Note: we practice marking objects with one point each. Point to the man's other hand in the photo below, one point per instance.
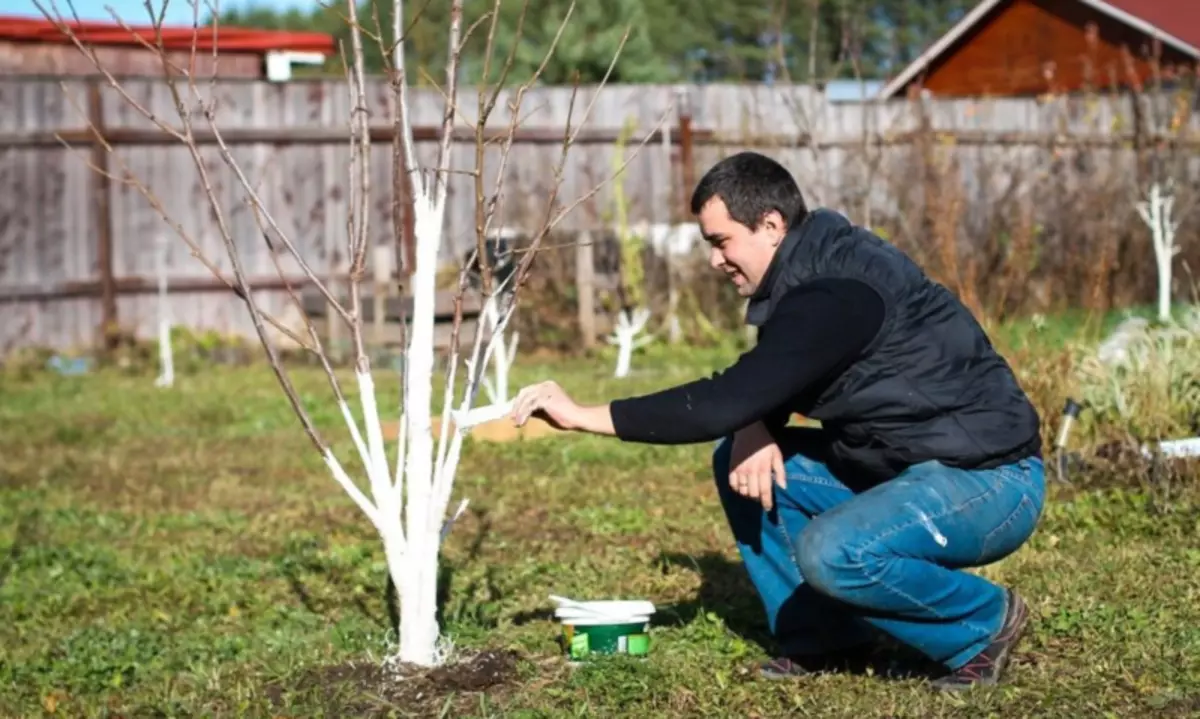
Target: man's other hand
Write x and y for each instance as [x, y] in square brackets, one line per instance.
[755, 458]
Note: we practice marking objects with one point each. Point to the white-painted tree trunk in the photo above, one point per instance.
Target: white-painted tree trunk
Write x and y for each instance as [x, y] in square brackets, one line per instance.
[625, 337]
[504, 353]
[407, 500]
[166, 354]
[1156, 212]
[418, 585]
[425, 469]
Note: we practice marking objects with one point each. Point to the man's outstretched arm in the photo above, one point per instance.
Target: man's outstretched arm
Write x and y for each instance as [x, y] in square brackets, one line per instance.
[814, 334]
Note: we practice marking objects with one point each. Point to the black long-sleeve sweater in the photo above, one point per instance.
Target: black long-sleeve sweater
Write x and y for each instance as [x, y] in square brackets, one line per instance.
[813, 336]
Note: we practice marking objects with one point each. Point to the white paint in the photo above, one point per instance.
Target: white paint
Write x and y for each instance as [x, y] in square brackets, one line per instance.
[418, 593]
[1156, 212]
[625, 337]
[671, 241]
[409, 505]
[930, 527]
[166, 353]
[503, 354]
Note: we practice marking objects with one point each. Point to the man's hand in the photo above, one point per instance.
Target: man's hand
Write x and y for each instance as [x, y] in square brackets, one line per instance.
[548, 400]
[755, 457]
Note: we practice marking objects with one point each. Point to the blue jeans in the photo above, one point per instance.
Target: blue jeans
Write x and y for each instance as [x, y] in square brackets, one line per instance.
[831, 564]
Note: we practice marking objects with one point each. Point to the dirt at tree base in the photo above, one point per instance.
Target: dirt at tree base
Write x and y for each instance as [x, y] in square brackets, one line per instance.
[365, 689]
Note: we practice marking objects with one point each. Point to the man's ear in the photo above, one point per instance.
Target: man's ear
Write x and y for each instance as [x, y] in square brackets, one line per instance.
[773, 223]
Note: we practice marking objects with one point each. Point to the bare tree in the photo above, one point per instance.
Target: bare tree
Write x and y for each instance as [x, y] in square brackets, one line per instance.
[406, 501]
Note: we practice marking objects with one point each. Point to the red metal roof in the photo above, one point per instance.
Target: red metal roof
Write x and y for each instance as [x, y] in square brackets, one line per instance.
[230, 39]
[1181, 18]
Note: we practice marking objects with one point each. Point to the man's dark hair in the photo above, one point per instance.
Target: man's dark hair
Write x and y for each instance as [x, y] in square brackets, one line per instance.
[751, 185]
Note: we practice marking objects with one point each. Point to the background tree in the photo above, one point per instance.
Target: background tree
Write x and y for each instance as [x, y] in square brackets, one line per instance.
[671, 40]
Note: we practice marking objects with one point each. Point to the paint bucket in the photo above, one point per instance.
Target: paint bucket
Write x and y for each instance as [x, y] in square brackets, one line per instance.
[605, 628]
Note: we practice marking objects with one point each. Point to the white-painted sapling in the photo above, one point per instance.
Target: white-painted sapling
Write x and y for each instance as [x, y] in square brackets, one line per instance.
[503, 355]
[407, 496]
[166, 353]
[626, 337]
[1156, 211]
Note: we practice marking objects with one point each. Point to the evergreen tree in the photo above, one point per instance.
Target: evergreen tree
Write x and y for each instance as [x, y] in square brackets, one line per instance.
[669, 41]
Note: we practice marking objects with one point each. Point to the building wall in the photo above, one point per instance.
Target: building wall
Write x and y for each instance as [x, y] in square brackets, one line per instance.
[1037, 46]
[29, 58]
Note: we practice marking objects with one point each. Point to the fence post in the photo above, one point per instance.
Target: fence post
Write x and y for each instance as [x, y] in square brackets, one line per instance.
[687, 161]
[102, 207]
[585, 286]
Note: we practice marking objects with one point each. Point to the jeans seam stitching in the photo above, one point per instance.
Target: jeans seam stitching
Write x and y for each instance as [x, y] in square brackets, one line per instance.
[888, 586]
[813, 479]
[858, 551]
[791, 544]
[896, 529]
[1012, 517]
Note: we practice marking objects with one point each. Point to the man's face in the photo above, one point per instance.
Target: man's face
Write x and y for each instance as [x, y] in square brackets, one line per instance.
[741, 253]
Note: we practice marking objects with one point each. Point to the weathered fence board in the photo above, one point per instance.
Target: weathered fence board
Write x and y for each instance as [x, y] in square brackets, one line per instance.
[74, 253]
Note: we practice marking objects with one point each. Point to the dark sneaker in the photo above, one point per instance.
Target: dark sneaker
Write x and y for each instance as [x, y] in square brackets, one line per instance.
[852, 659]
[987, 666]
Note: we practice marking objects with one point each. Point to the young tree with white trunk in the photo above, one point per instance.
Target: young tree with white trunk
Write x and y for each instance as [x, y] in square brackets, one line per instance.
[409, 491]
[627, 336]
[503, 356]
[1157, 212]
[633, 317]
[166, 354]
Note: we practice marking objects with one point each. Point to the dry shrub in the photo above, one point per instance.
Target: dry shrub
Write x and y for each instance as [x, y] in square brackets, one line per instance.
[709, 308]
[548, 317]
[1153, 395]
[1015, 228]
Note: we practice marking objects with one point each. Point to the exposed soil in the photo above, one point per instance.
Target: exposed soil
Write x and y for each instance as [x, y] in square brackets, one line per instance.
[482, 672]
[499, 430]
[367, 689]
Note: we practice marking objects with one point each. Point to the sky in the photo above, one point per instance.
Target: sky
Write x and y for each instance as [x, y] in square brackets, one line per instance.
[133, 11]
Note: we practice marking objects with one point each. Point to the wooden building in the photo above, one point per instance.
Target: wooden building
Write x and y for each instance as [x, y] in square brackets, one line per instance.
[1033, 47]
[36, 46]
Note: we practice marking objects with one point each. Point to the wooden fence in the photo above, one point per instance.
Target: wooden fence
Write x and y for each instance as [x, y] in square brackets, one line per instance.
[79, 250]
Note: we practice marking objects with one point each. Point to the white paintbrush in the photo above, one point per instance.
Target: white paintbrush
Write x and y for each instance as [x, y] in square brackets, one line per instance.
[479, 415]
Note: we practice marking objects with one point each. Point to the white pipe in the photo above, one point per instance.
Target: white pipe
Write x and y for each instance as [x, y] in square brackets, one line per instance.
[1175, 448]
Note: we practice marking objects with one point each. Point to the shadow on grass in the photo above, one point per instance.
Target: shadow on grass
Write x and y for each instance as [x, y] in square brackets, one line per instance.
[301, 569]
[26, 529]
[725, 591]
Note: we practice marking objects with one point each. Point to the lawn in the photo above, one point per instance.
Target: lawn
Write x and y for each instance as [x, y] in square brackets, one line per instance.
[184, 552]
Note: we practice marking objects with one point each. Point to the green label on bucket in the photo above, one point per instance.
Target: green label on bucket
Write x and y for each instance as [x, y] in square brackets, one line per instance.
[638, 644]
[579, 645]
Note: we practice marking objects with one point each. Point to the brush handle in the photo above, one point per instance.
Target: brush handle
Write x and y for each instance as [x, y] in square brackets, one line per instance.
[479, 415]
[585, 607]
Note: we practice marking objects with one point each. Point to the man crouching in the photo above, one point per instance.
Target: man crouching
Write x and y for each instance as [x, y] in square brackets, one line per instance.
[927, 461]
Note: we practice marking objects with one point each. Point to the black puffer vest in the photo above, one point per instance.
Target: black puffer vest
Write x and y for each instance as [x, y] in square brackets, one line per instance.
[929, 387]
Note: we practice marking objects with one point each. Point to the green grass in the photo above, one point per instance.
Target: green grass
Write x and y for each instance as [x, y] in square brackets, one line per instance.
[184, 553]
[1046, 332]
